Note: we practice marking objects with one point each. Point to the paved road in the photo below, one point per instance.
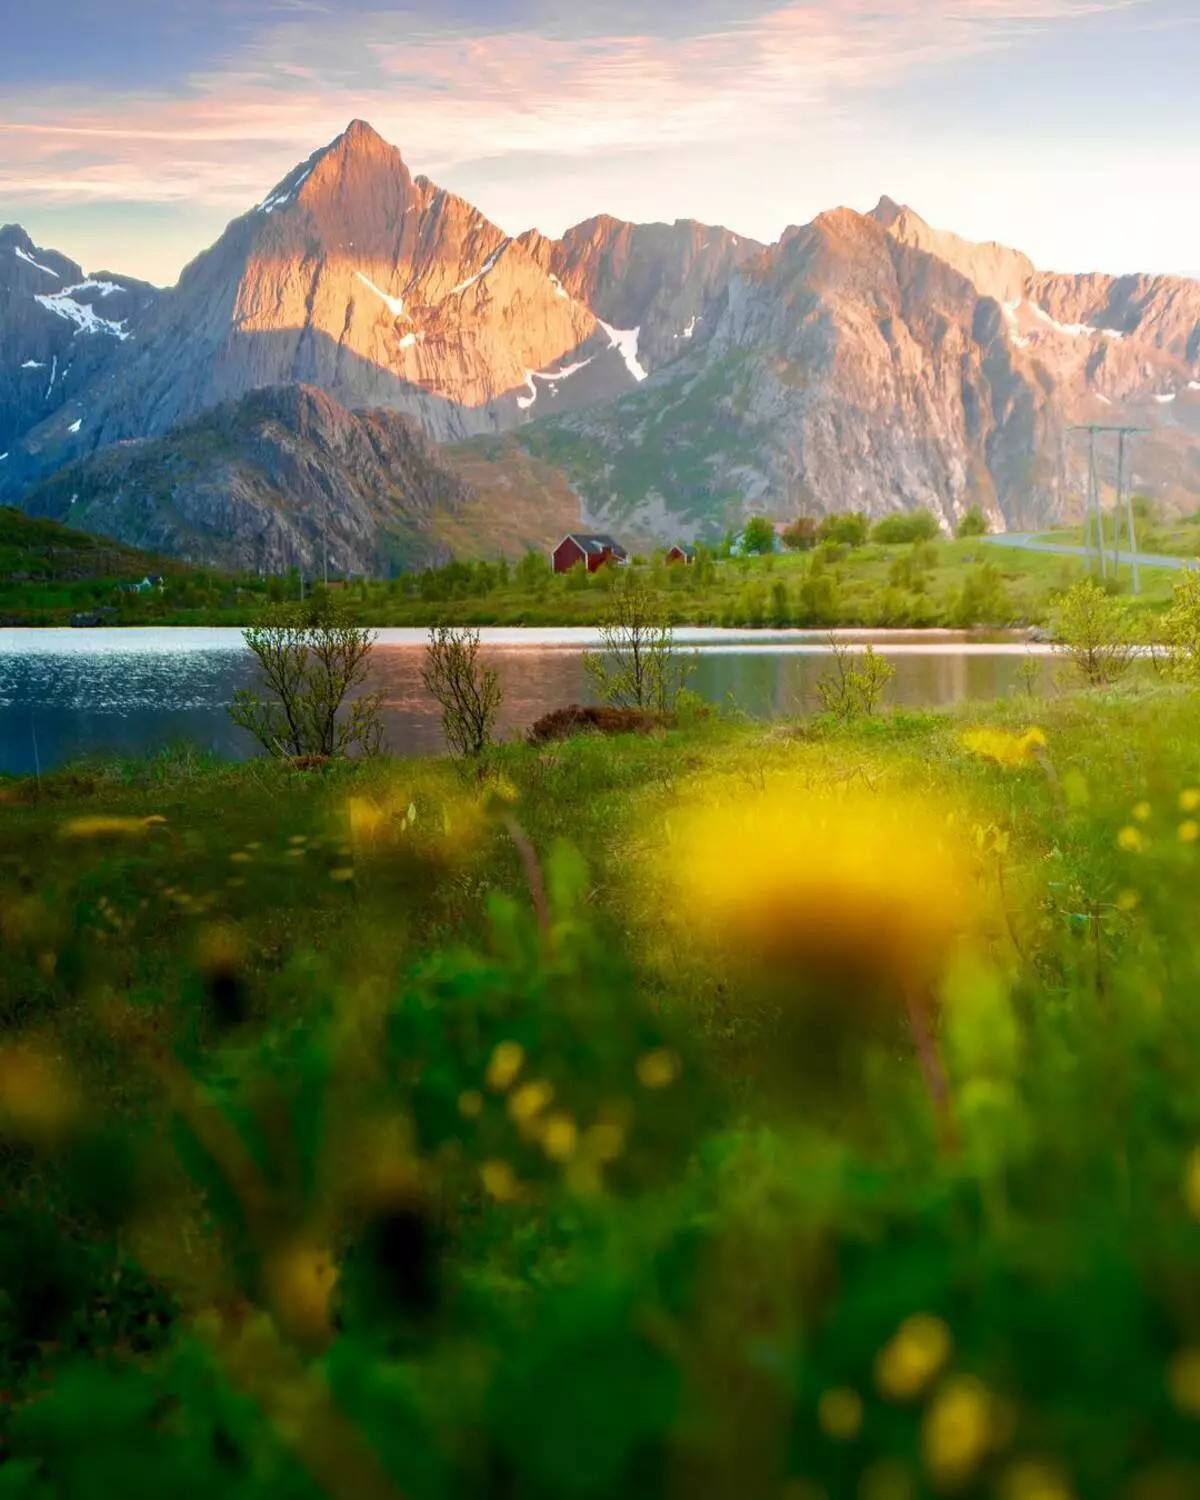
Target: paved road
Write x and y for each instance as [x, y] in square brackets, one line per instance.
[1030, 541]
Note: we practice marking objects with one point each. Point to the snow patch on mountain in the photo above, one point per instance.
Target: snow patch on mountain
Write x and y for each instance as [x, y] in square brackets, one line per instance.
[29, 260]
[86, 319]
[483, 270]
[53, 377]
[1165, 400]
[395, 305]
[32, 364]
[284, 194]
[551, 377]
[559, 289]
[625, 340]
[75, 426]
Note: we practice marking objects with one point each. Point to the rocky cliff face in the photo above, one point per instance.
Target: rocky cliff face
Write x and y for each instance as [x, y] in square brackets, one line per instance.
[278, 478]
[59, 331]
[657, 286]
[869, 361]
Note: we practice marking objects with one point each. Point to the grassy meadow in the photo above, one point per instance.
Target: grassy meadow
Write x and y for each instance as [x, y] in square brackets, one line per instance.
[727, 1111]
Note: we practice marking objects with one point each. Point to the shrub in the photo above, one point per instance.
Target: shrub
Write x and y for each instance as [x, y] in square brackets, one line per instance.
[310, 660]
[854, 686]
[849, 529]
[983, 599]
[1091, 631]
[758, 537]
[639, 666]
[469, 694]
[1181, 630]
[907, 526]
[973, 523]
[801, 535]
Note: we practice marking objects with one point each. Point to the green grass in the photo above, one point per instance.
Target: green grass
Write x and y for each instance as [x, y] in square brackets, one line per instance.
[334, 959]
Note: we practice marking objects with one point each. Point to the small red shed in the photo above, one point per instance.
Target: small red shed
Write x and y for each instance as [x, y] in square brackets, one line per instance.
[681, 554]
[593, 550]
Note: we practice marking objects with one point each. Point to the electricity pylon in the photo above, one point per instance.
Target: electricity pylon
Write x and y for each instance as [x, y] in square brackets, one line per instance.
[1124, 502]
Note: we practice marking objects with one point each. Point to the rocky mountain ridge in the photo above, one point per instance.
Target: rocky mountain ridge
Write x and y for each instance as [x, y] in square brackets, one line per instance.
[278, 478]
[673, 378]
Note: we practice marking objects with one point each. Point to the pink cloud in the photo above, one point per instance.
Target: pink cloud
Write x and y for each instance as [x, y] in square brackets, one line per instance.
[448, 100]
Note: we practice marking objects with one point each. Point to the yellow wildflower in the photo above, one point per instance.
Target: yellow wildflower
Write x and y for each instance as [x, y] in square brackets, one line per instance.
[1128, 901]
[604, 1141]
[1034, 1481]
[1191, 1184]
[298, 1280]
[470, 1104]
[656, 1070]
[865, 894]
[956, 1432]
[98, 827]
[915, 1354]
[342, 876]
[1008, 750]
[1132, 840]
[840, 1414]
[499, 1180]
[560, 1137]
[366, 819]
[1183, 1381]
[507, 1061]
[1189, 831]
[1189, 800]
[529, 1100]
[38, 1102]
[1142, 812]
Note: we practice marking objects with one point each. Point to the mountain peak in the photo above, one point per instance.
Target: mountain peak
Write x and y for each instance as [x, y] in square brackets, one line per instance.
[360, 136]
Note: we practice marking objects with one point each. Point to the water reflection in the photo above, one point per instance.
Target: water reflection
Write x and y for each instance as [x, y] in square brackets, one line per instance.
[68, 693]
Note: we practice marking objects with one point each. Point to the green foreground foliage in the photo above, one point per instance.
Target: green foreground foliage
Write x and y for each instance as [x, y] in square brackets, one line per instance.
[374, 1132]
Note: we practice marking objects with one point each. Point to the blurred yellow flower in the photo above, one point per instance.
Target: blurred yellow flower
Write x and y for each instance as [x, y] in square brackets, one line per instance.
[957, 1429]
[529, 1100]
[342, 876]
[840, 1414]
[507, 1061]
[366, 819]
[1191, 1184]
[1009, 750]
[1189, 831]
[658, 1069]
[109, 827]
[1142, 812]
[560, 1137]
[470, 1104]
[861, 892]
[499, 1180]
[915, 1354]
[1029, 1480]
[1183, 1381]
[298, 1280]
[1189, 800]
[1128, 901]
[38, 1102]
[1132, 840]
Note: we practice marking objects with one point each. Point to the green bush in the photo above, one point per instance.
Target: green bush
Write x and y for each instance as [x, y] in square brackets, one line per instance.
[907, 526]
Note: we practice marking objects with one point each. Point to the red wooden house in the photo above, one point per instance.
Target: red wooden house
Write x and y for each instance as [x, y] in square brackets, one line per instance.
[681, 554]
[595, 551]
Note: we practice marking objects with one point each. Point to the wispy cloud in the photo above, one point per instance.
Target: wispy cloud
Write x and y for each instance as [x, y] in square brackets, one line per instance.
[450, 98]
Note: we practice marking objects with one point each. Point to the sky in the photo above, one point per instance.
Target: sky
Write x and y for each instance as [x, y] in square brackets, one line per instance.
[132, 132]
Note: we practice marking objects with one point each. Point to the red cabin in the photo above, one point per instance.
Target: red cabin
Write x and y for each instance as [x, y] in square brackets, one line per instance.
[595, 551]
[680, 554]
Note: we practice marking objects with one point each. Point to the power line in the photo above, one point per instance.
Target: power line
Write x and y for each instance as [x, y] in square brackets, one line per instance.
[1124, 501]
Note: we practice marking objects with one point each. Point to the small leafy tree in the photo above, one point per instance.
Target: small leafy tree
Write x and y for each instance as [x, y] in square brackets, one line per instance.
[311, 659]
[849, 529]
[639, 665]
[1181, 630]
[854, 686]
[469, 693]
[801, 535]
[758, 537]
[974, 523]
[1091, 631]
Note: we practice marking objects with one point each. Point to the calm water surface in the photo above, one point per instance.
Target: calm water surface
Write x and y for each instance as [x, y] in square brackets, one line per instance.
[67, 693]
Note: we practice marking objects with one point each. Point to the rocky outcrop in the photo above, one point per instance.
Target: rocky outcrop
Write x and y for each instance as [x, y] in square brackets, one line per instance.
[279, 478]
[658, 284]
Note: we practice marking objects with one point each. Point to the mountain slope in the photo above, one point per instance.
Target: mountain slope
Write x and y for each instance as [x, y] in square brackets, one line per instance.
[869, 361]
[59, 330]
[281, 477]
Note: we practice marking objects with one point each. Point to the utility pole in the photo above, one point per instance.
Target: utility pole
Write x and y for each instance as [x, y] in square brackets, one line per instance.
[1124, 501]
[325, 550]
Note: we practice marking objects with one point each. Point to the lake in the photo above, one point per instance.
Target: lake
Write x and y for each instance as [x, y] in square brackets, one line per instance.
[69, 693]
